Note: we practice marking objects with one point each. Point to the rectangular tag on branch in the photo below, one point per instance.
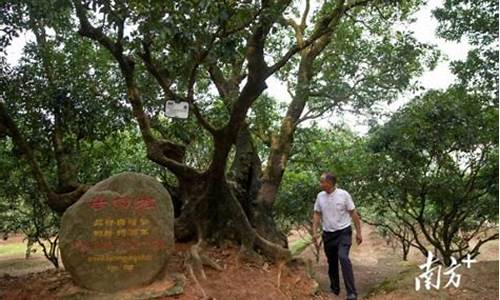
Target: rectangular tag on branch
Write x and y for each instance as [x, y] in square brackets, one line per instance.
[177, 110]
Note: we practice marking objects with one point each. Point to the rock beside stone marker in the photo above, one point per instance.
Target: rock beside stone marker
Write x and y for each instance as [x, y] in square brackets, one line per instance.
[119, 234]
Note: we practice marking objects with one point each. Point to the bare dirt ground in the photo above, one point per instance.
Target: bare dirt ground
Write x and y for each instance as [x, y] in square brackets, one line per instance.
[378, 269]
[372, 261]
[238, 280]
[380, 273]
[17, 265]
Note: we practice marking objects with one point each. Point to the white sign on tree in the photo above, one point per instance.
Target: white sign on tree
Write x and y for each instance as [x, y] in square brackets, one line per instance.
[177, 110]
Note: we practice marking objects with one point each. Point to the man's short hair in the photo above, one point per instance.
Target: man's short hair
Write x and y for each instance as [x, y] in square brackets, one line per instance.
[330, 177]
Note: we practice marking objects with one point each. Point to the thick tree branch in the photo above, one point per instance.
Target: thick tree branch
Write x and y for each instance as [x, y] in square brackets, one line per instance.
[223, 86]
[66, 169]
[165, 83]
[86, 29]
[255, 81]
[160, 76]
[281, 143]
[162, 152]
[475, 250]
[201, 120]
[298, 30]
[57, 202]
[324, 27]
[20, 142]
[420, 220]
[305, 14]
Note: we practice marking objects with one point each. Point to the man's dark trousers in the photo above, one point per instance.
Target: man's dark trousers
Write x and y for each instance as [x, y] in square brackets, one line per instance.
[337, 245]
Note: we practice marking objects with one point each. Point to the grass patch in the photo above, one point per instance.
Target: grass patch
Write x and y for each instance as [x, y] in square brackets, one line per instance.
[401, 281]
[12, 249]
[300, 245]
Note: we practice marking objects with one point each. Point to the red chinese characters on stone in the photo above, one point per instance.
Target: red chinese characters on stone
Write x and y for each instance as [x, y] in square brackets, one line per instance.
[80, 246]
[103, 245]
[158, 245]
[141, 204]
[145, 203]
[98, 203]
[121, 202]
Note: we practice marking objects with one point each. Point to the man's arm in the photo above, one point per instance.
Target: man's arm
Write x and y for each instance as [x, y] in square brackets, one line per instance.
[316, 222]
[357, 223]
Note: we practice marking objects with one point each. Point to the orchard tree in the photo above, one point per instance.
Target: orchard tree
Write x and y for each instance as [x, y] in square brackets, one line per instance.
[477, 23]
[435, 169]
[362, 63]
[192, 46]
[60, 98]
[63, 122]
[217, 57]
[434, 178]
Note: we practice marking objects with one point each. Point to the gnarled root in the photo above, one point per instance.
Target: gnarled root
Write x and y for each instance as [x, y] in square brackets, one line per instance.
[281, 264]
[272, 250]
[197, 259]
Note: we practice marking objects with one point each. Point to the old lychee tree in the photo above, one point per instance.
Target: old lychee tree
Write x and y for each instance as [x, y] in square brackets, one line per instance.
[229, 156]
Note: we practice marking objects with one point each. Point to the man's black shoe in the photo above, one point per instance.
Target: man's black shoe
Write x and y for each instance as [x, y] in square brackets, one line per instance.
[335, 292]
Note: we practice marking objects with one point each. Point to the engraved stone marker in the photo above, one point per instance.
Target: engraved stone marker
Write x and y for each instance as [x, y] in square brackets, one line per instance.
[119, 234]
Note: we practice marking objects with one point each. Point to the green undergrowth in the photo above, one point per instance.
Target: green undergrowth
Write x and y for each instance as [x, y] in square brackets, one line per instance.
[298, 246]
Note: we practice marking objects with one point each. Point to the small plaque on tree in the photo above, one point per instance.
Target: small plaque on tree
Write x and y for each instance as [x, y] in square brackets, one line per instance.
[177, 109]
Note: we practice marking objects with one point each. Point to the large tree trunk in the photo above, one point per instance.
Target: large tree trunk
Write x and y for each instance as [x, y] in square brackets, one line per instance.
[213, 213]
[246, 173]
[218, 210]
[281, 143]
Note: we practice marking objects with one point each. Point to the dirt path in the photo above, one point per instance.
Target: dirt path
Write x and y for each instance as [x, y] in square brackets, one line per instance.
[373, 261]
[17, 265]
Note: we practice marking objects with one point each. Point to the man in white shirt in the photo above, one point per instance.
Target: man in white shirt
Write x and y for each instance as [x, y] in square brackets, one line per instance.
[335, 209]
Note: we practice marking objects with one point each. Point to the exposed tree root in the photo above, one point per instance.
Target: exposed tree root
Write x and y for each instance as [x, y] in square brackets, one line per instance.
[248, 254]
[281, 265]
[196, 259]
[272, 250]
[250, 239]
[207, 261]
[198, 285]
